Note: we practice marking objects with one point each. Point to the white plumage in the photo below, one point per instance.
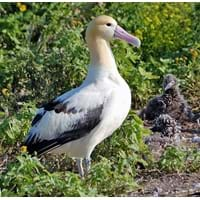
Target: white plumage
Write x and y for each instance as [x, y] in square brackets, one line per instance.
[75, 122]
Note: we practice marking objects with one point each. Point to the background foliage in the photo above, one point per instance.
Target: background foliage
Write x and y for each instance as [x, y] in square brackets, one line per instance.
[43, 53]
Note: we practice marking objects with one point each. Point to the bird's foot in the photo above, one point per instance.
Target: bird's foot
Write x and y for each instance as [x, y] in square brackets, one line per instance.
[79, 163]
[83, 166]
[87, 163]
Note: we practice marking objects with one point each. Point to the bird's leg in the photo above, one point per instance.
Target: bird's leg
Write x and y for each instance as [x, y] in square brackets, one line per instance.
[87, 162]
[79, 163]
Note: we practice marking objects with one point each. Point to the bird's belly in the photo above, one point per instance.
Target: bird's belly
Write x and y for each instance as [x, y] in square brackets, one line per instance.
[113, 118]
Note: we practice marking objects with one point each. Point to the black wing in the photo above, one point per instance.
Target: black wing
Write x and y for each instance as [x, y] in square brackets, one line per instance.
[155, 107]
[51, 105]
[81, 127]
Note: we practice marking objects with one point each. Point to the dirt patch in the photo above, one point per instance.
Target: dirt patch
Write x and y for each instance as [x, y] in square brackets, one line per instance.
[187, 139]
[156, 184]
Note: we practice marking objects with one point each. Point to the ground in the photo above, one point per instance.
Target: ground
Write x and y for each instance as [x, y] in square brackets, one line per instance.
[156, 183]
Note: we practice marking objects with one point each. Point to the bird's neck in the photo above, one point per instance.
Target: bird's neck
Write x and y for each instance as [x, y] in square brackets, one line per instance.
[101, 54]
[173, 91]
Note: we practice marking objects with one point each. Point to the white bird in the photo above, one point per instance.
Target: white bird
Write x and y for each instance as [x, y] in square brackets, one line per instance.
[75, 122]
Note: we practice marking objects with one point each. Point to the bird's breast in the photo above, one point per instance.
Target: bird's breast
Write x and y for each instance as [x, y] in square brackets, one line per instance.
[116, 107]
[117, 101]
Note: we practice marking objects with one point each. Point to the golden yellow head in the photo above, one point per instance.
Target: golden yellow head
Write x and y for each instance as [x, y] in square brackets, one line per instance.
[101, 26]
[106, 28]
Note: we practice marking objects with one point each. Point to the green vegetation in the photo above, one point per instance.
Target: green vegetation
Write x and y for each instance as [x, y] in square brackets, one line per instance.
[43, 53]
[176, 159]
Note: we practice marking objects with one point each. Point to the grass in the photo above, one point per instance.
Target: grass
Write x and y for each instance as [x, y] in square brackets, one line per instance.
[176, 159]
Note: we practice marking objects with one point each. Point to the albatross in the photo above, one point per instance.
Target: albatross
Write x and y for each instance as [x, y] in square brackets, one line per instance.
[75, 122]
[171, 102]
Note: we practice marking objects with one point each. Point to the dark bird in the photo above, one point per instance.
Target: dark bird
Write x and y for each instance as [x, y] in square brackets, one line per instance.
[171, 102]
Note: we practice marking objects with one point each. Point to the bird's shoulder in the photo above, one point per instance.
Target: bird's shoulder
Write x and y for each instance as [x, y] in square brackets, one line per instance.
[155, 100]
[76, 101]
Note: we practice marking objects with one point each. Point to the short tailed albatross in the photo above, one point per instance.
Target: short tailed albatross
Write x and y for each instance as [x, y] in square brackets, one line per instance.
[75, 122]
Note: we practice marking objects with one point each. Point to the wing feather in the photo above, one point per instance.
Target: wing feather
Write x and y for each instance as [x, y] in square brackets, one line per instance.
[58, 122]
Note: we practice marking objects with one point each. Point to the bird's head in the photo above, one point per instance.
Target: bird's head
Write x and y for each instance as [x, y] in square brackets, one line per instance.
[106, 28]
[170, 82]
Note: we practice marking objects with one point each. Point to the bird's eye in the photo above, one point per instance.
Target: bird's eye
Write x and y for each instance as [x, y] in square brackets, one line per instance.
[108, 24]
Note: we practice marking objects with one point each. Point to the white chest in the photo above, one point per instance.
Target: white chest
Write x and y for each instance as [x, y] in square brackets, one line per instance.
[116, 108]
